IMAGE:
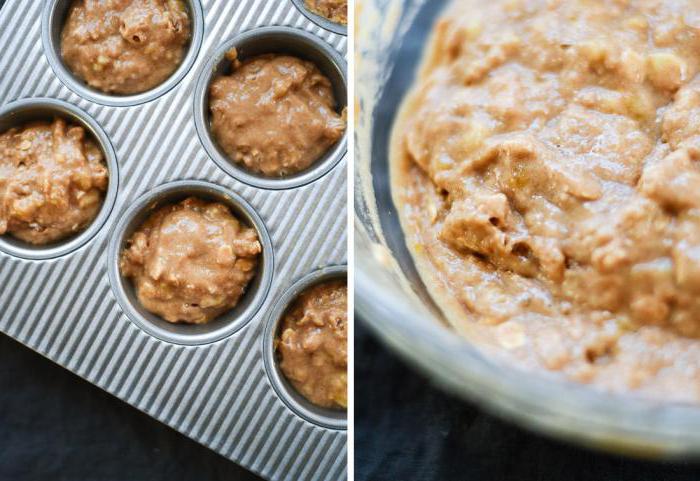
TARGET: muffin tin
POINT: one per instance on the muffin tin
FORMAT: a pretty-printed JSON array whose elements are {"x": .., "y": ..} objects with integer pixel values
[{"x": 68, "y": 301}]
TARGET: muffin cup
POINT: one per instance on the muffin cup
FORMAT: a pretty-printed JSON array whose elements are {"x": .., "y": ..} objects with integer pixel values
[
  {"x": 227, "y": 323},
  {"x": 53, "y": 19},
  {"x": 278, "y": 40},
  {"x": 320, "y": 20},
  {"x": 20, "y": 112},
  {"x": 302, "y": 407}
]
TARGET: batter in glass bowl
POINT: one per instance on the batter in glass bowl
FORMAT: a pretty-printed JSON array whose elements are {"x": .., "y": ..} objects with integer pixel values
[{"x": 546, "y": 171}]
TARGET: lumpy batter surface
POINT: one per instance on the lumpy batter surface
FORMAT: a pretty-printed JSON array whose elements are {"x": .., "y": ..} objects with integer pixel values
[
  {"x": 274, "y": 114},
  {"x": 52, "y": 181},
  {"x": 191, "y": 261},
  {"x": 313, "y": 344},
  {"x": 125, "y": 46},
  {"x": 546, "y": 170},
  {"x": 334, "y": 10}
]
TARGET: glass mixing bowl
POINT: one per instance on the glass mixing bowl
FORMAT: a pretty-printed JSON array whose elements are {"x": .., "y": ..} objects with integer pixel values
[{"x": 392, "y": 300}]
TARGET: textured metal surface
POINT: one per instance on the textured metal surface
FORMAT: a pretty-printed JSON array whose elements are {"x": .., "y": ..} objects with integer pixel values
[{"x": 64, "y": 308}]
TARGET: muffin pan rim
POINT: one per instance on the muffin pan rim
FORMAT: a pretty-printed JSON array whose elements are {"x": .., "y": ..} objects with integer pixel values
[
  {"x": 324, "y": 417},
  {"x": 320, "y": 20},
  {"x": 23, "y": 250},
  {"x": 205, "y": 76},
  {"x": 51, "y": 28},
  {"x": 160, "y": 196}
]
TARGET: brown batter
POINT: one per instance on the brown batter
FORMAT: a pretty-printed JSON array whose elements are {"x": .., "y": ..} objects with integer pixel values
[
  {"x": 275, "y": 114},
  {"x": 125, "y": 46},
  {"x": 334, "y": 10},
  {"x": 313, "y": 344},
  {"x": 191, "y": 261},
  {"x": 52, "y": 181},
  {"x": 546, "y": 173}
]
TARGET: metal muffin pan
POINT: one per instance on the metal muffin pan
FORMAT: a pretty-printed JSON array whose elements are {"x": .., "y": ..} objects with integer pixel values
[
  {"x": 18, "y": 113},
  {"x": 227, "y": 323},
  {"x": 331, "y": 418},
  {"x": 53, "y": 18},
  {"x": 319, "y": 20},
  {"x": 275, "y": 40},
  {"x": 73, "y": 307}
]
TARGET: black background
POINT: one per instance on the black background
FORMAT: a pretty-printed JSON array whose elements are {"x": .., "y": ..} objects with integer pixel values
[
  {"x": 55, "y": 426},
  {"x": 405, "y": 429}
]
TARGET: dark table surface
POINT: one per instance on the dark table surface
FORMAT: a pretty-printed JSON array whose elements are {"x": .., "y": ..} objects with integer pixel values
[
  {"x": 406, "y": 429},
  {"x": 55, "y": 426}
]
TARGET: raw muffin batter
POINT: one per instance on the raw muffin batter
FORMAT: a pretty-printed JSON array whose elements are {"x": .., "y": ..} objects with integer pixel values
[
  {"x": 125, "y": 46},
  {"x": 334, "y": 10},
  {"x": 546, "y": 172},
  {"x": 313, "y": 344},
  {"x": 191, "y": 261},
  {"x": 52, "y": 181},
  {"x": 275, "y": 114}
]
